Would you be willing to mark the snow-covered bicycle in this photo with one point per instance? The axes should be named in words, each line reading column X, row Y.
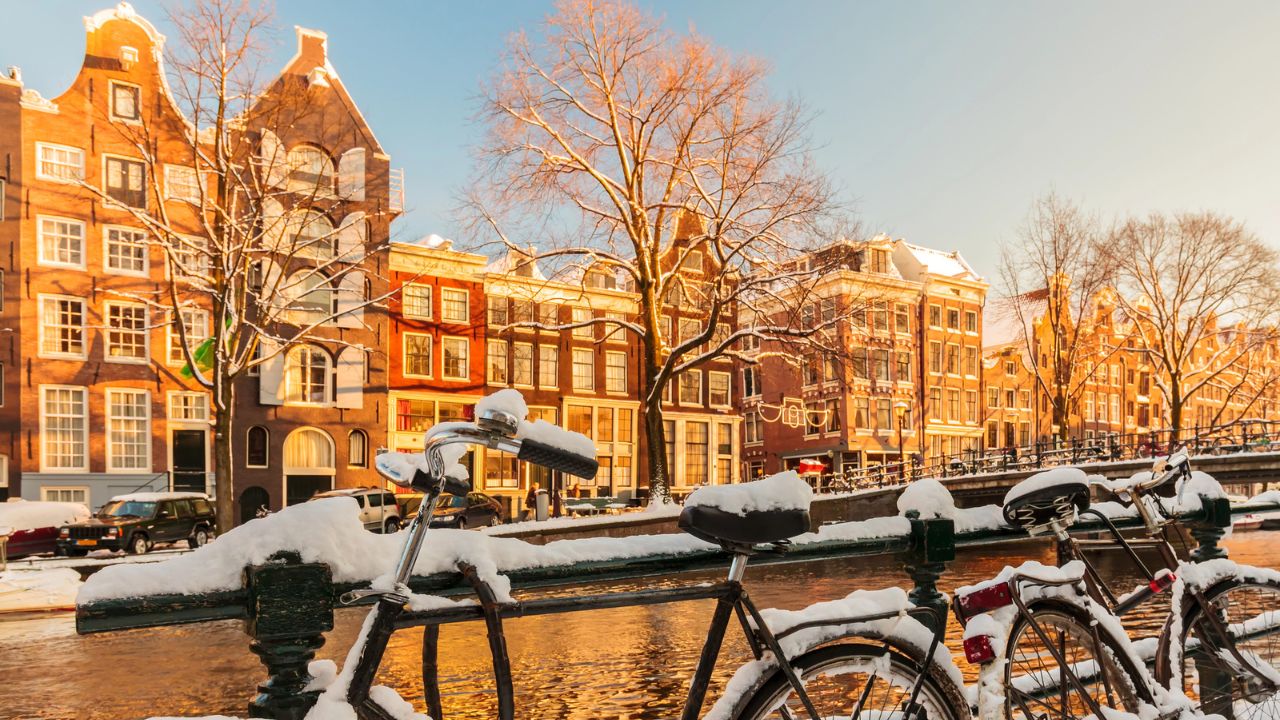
column 862, row 656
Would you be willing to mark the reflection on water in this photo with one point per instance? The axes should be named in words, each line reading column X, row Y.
column 629, row 663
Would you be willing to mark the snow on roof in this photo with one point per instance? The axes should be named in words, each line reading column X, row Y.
column 432, row 241
column 940, row 262
column 1004, row 325
column 517, row 262
column 158, row 496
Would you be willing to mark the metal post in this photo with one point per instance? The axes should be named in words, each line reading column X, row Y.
column 932, row 546
column 290, row 609
column 1215, row 682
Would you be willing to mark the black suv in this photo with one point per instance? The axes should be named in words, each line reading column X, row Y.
column 138, row 521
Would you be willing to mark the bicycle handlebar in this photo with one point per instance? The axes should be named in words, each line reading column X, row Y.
column 556, row 458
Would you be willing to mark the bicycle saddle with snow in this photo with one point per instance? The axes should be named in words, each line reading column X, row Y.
column 737, row 517
column 1052, row 496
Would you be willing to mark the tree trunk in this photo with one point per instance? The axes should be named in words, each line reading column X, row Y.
column 659, row 473
column 222, row 457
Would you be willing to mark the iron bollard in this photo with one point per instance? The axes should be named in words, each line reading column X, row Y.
column 1209, row 529
column 932, row 546
column 290, row 609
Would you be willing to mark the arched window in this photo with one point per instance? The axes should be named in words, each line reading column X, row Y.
column 312, row 235
column 256, row 454
column 357, row 449
column 306, row 376
column 310, row 170
column 310, row 450
column 314, row 292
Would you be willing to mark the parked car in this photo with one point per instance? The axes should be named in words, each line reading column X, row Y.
column 378, row 509
column 138, row 521
column 474, row 510
column 409, row 504
column 32, row 526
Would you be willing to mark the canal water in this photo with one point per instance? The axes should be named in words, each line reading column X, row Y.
column 628, row 663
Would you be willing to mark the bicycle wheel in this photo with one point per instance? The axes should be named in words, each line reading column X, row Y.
column 1250, row 610
column 837, row 676
column 1037, row 688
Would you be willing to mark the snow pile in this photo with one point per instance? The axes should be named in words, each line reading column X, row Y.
column 928, row 497
column 1046, row 479
column 1200, row 484
column 19, row 515
column 1270, row 496
column 783, row 491
column 899, row 628
column 38, row 590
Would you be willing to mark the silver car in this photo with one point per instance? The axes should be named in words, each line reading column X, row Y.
column 378, row 509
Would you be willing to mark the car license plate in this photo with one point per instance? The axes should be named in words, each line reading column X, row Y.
column 86, row 542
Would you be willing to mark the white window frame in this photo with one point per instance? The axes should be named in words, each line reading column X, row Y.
column 111, row 102
column 466, row 357
column 107, row 329
column 728, row 389
column 444, row 305
column 186, row 394
column 194, row 191
column 404, row 306
column 44, row 446
column 106, row 251
column 511, row 373
column 172, row 337
column 84, row 330
column 44, row 261
column 404, row 355
column 591, row 378
column 680, row 381
column 113, row 203
column 48, row 493
column 579, row 314
column 328, row 377
column 490, row 345
column 555, row 377
column 267, row 461
column 41, row 175
column 613, row 355
column 106, row 408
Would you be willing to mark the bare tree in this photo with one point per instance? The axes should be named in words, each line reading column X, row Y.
column 1053, row 274
column 253, row 267
column 670, row 166
column 1190, row 283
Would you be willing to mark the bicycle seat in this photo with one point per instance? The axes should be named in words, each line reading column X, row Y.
column 1049, row 496
column 737, row 533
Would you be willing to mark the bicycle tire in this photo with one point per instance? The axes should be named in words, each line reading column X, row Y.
column 939, row 694
column 1124, row 681
column 1228, row 595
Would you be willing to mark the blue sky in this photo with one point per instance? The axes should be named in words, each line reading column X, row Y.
column 940, row 121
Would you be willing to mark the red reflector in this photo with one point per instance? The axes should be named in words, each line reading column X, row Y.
column 1162, row 581
column 980, row 601
column 977, row 649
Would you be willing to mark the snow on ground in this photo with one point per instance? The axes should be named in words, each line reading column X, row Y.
column 783, row 491
column 34, row 591
column 18, row 514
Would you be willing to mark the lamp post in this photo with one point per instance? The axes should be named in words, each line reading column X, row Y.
column 901, row 408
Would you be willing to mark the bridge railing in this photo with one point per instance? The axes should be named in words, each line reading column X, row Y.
column 287, row 605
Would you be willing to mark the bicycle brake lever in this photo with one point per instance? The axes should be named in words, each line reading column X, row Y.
column 352, row 597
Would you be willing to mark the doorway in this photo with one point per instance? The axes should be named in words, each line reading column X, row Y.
column 302, row 487
column 251, row 500
column 189, row 456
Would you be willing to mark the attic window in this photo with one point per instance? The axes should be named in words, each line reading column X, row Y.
column 128, row 56
column 125, row 101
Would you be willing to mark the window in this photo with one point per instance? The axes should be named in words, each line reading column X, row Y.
column 311, row 234
column 61, row 242
column 454, row 306
column 904, row 367
column 935, row 357
column 310, row 170
column 752, row 428
column 126, row 181
column 861, row 413
column 935, row 403
column 191, row 256
column 691, row 387
column 417, row 355
column 64, row 429
column 182, row 183
column 953, row 406
column 953, row 359
column 522, row 364
column 884, row 416
column 953, row 319
column 718, row 389
column 59, row 162
column 128, row 430
column 497, row 362
column 1026, row 400
column 456, row 358
column 832, row 407
column 970, row 321
column 878, row 260
column 584, row 369
column 993, row 434
column 581, row 314
column 126, row 332
column 970, row 361
column 414, row 415
column 1009, row 400
column 126, row 251
column 1010, row 368
column 750, row 381
column 695, row 453
column 125, row 103
column 497, row 311
column 416, row 301
column 880, row 316
column 189, row 407
column 1115, row 408
column 971, row 405
column 902, row 318
column 692, row 261
column 314, row 295
column 935, row 316
column 358, row 450
column 548, row 314
column 306, row 376
column 65, row 494
column 811, row 371
column 548, row 366
column 196, row 324
column 62, row 327
column 813, row 420
column 256, row 447
column 993, row 397
column 615, row 372
column 880, row 364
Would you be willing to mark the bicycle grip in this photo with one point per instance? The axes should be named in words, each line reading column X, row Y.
column 550, row 456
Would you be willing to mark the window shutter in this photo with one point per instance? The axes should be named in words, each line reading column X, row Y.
column 350, row 380
column 350, row 300
column 270, row 293
column 274, row 225
column 352, row 236
column 274, row 164
column 351, row 174
column 271, row 375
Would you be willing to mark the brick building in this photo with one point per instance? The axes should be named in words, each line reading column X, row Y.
column 94, row 399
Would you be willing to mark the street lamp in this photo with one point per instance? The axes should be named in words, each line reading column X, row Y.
column 901, row 408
